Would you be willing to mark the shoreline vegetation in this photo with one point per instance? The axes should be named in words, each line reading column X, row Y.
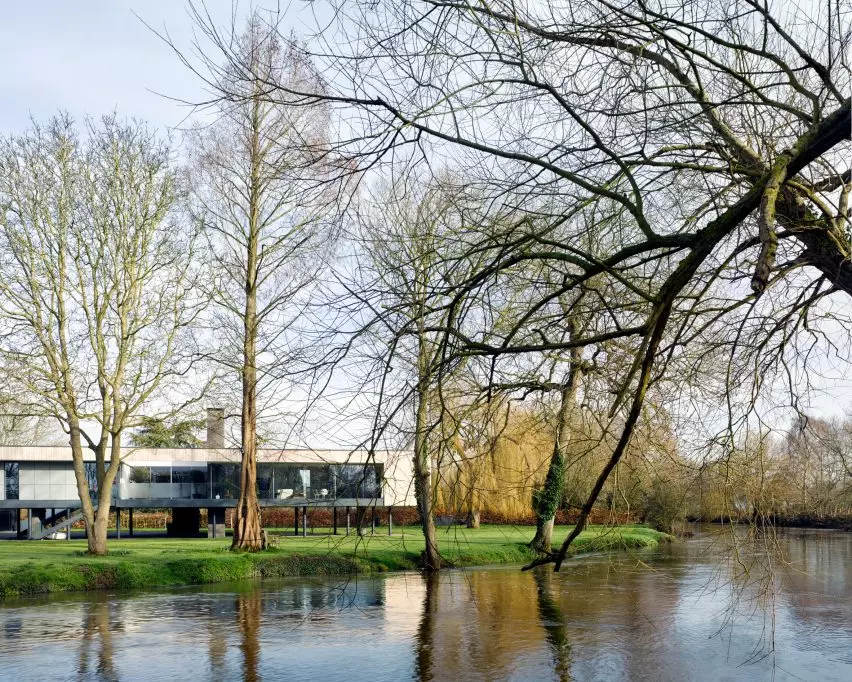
column 32, row 568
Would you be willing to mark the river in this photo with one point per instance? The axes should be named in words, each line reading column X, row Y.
column 719, row 606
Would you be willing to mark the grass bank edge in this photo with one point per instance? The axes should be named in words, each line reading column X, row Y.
column 56, row 566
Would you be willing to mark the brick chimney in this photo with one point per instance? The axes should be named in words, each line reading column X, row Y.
column 215, row 427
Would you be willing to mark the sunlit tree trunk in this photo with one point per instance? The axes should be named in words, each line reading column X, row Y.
column 248, row 533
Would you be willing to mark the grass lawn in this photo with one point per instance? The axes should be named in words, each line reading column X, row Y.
column 57, row 565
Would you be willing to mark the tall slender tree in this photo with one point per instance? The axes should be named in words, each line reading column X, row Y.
column 257, row 186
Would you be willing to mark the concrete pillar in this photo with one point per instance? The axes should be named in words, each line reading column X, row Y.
column 347, row 521
column 390, row 521
column 117, row 523
column 215, row 522
column 29, row 524
column 373, row 523
column 304, row 522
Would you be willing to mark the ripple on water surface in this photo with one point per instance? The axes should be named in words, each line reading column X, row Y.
column 681, row 613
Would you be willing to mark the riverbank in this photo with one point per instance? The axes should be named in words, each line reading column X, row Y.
column 40, row 567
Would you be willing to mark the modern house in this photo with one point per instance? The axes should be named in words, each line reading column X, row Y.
column 38, row 492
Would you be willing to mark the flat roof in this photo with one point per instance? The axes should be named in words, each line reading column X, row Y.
column 131, row 455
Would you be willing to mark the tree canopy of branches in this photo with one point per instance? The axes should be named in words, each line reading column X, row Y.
column 97, row 287
column 256, row 172
column 158, row 433
column 704, row 143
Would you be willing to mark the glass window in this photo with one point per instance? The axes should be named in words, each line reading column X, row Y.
column 190, row 482
column 91, row 470
column 226, row 480
column 140, row 474
column 8, row 520
column 11, row 470
column 161, row 474
column 189, row 475
column 265, row 481
column 320, row 481
column 358, row 480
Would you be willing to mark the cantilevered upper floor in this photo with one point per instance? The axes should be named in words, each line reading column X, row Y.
column 43, row 476
column 203, row 477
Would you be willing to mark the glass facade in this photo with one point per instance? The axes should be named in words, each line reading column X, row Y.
column 91, row 469
column 284, row 481
column 167, row 482
column 11, row 471
column 225, row 481
column 275, row 481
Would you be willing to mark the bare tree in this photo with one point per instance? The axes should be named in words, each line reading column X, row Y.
column 703, row 142
column 257, row 192
column 407, row 240
column 97, row 290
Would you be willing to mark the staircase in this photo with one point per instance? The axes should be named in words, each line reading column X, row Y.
column 50, row 525
column 62, row 525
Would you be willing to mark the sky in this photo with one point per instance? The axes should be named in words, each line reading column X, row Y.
column 92, row 57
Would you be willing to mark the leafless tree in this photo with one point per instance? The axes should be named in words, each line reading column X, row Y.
column 97, row 287
column 257, row 190
column 703, row 143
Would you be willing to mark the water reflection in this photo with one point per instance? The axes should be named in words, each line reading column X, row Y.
column 426, row 629
column 554, row 624
column 627, row 617
column 248, row 607
column 96, row 659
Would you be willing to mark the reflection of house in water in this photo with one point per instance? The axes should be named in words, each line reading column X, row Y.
column 38, row 490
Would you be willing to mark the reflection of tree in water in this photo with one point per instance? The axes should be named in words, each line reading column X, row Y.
column 426, row 630
column 553, row 622
column 96, row 630
column 217, row 646
column 249, row 607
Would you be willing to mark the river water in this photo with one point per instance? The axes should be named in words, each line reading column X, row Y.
column 720, row 606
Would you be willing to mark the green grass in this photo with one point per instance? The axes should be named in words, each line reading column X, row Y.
column 38, row 567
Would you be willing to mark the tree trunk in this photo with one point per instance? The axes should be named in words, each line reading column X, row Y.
column 248, row 533
column 431, row 558
column 96, row 526
column 548, row 498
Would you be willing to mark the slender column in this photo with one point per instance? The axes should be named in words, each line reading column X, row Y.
column 130, row 522
column 347, row 521
column 118, row 523
column 68, row 530
column 304, row 522
column 334, row 520
column 390, row 521
column 373, row 523
column 29, row 524
column 295, row 520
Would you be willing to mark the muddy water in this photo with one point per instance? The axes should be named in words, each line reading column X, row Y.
column 715, row 607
